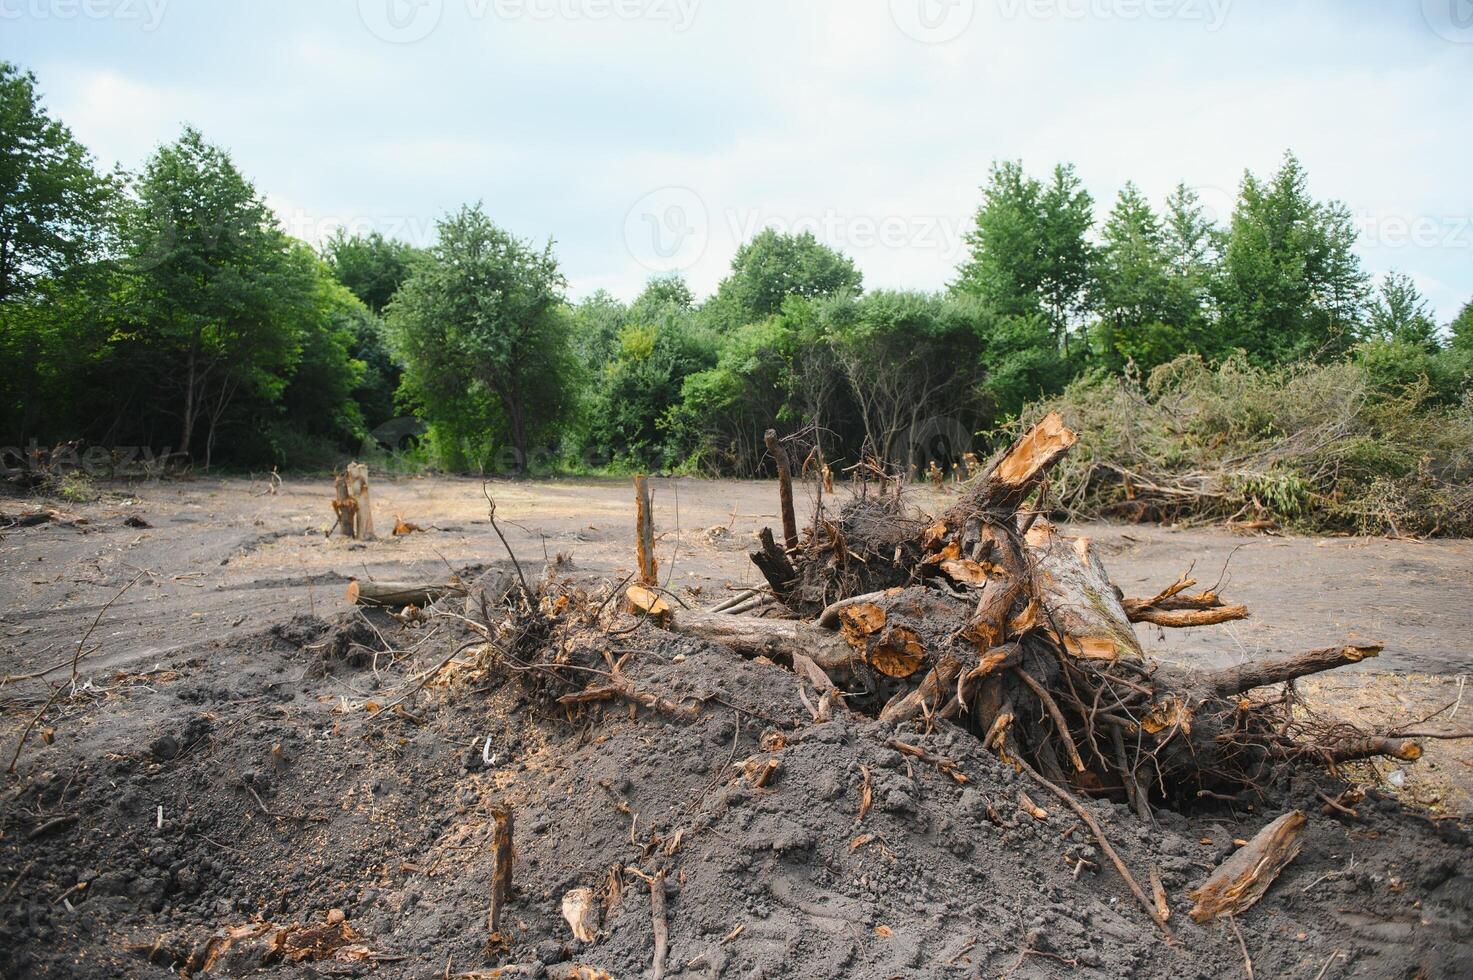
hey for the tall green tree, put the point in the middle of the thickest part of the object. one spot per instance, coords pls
(1030, 252)
(1291, 284)
(484, 337)
(53, 203)
(1192, 251)
(661, 344)
(1460, 331)
(212, 286)
(54, 225)
(1005, 270)
(597, 321)
(772, 267)
(1066, 217)
(1132, 289)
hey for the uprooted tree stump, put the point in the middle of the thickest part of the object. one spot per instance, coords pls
(997, 621)
(987, 617)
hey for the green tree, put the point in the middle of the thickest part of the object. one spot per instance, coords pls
(484, 337)
(1030, 253)
(911, 362)
(661, 345)
(54, 223)
(372, 266)
(1066, 216)
(772, 267)
(53, 203)
(1399, 313)
(212, 286)
(1005, 270)
(597, 320)
(1132, 290)
(1461, 329)
(1192, 252)
(321, 401)
(1291, 285)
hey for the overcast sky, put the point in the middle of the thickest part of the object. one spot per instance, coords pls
(650, 135)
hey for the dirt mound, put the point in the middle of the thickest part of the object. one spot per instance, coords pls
(239, 789)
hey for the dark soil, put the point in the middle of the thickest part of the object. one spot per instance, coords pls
(272, 778)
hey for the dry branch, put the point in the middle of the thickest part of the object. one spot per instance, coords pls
(1259, 673)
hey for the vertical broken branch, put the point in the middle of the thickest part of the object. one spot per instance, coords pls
(660, 922)
(501, 856)
(784, 489)
(644, 542)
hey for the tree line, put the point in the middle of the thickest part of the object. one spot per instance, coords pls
(166, 308)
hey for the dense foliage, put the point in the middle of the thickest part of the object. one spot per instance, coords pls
(165, 308)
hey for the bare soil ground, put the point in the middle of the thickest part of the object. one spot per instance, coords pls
(229, 754)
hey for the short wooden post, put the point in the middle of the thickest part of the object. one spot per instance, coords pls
(644, 540)
(784, 489)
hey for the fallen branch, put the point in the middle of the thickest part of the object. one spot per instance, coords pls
(1245, 677)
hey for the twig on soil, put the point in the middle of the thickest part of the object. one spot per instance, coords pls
(76, 657)
(1104, 843)
(659, 920)
(55, 823)
(1247, 960)
(1328, 963)
(16, 883)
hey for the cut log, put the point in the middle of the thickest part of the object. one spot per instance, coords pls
(776, 639)
(396, 595)
(1187, 618)
(1244, 877)
(784, 489)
